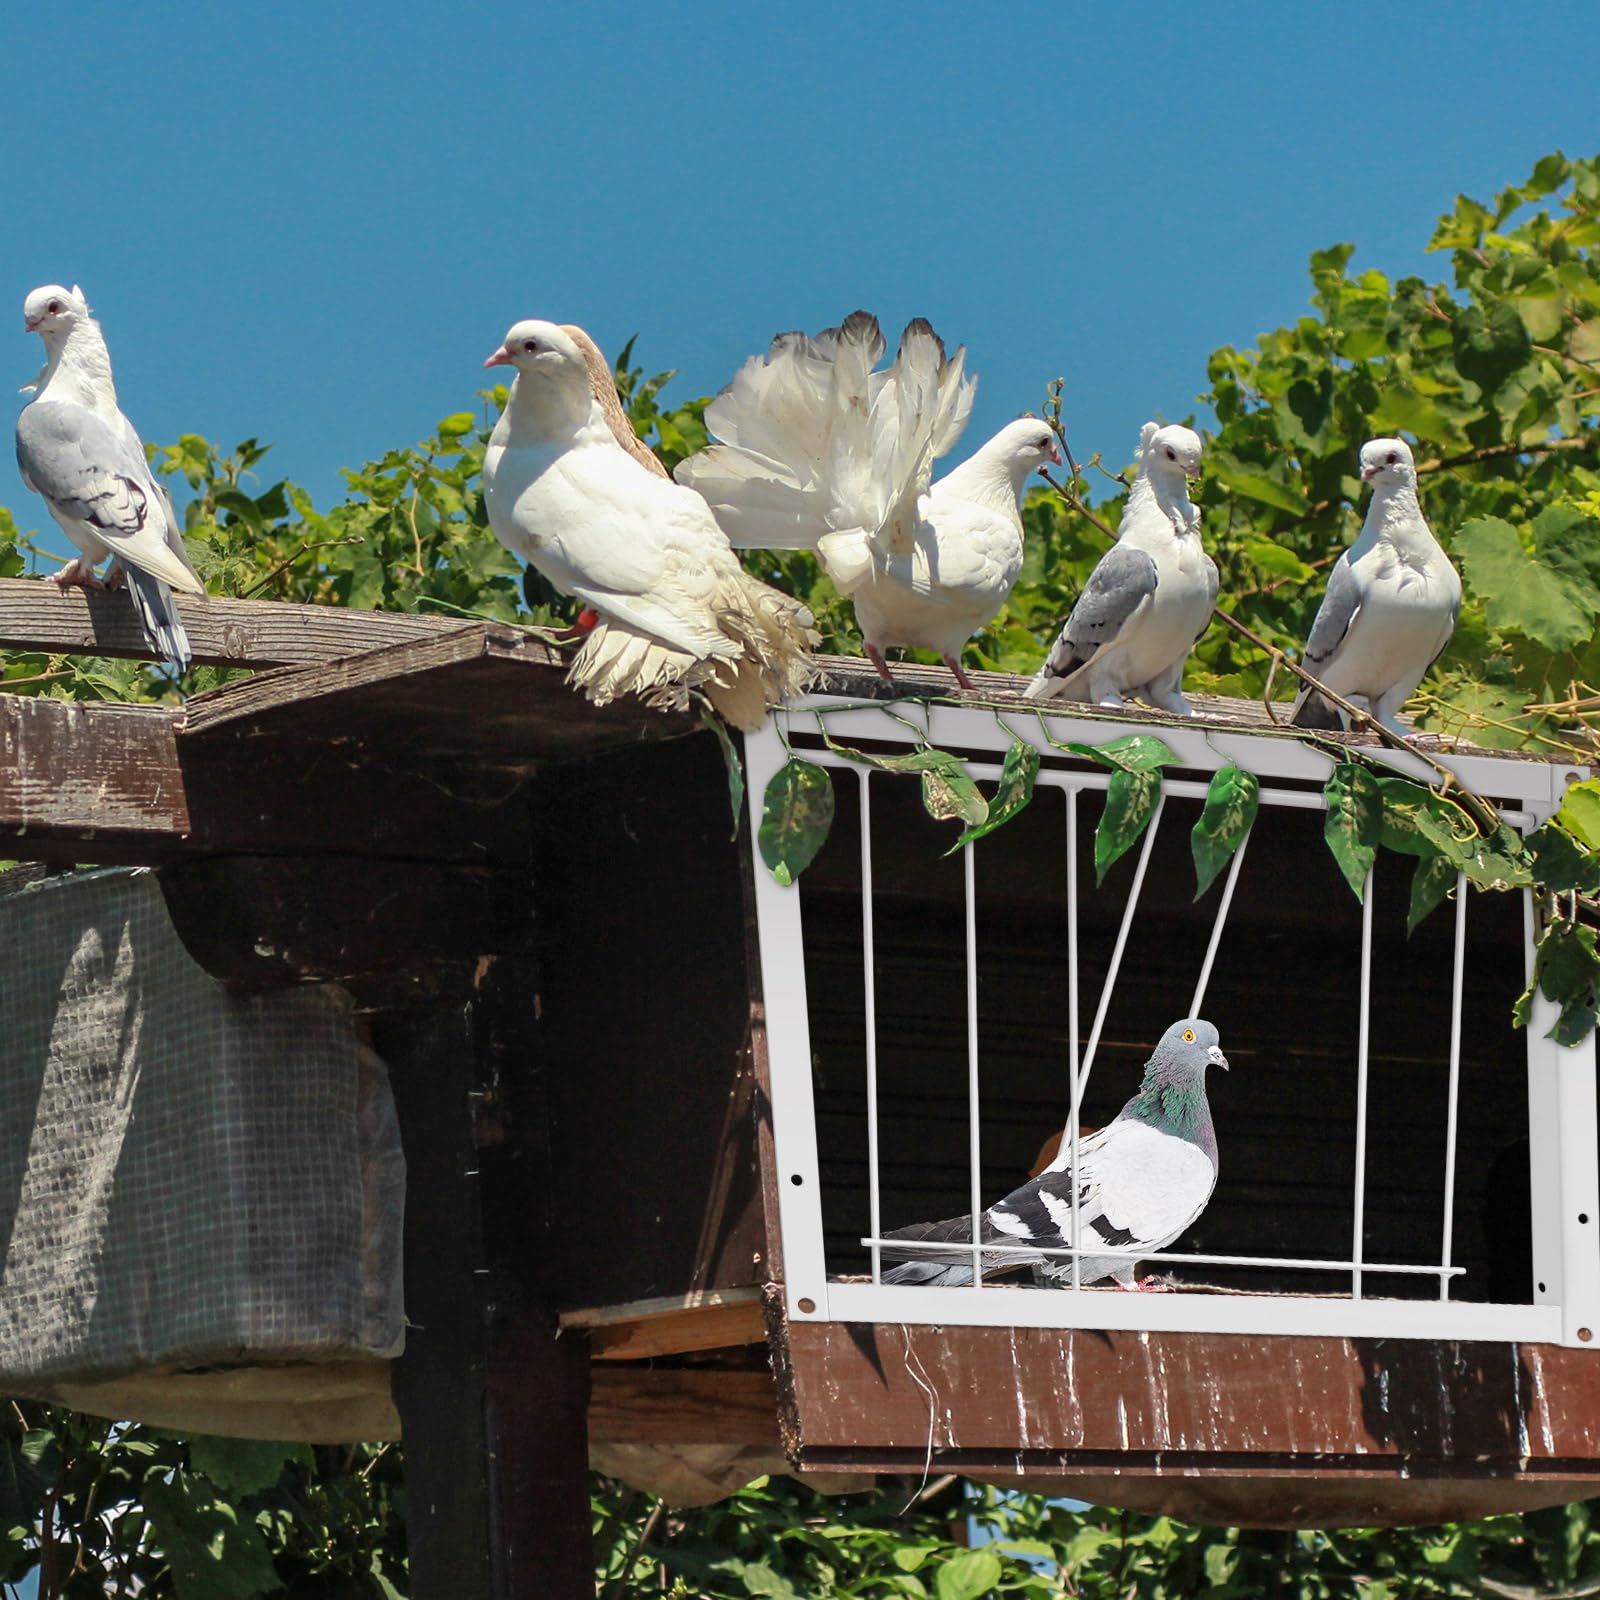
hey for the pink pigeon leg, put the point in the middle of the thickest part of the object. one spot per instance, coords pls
(961, 677)
(77, 574)
(117, 576)
(875, 656)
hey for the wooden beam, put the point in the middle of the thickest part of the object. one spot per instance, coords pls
(683, 1405)
(711, 1319)
(223, 633)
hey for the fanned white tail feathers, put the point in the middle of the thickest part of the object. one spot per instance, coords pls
(769, 633)
(814, 442)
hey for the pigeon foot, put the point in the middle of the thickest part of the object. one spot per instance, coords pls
(76, 575)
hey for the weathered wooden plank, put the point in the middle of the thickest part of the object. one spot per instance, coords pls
(671, 1324)
(223, 633)
(682, 1405)
(82, 781)
(1036, 1400)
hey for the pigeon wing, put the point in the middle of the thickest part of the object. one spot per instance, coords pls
(88, 474)
(1121, 585)
(1334, 617)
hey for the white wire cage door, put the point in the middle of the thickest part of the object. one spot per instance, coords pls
(1563, 1303)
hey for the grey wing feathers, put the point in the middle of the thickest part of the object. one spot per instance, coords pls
(69, 455)
(1120, 583)
(1338, 610)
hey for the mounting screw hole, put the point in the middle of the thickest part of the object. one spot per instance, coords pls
(1541, 1288)
(807, 1306)
(1569, 777)
(1583, 1216)
(796, 1179)
(1585, 1335)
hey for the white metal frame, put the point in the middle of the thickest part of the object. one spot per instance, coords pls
(1561, 1082)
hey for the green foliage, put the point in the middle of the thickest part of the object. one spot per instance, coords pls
(1354, 826)
(1012, 793)
(93, 1508)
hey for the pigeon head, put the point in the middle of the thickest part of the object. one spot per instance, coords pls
(53, 311)
(1172, 451)
(541, 349)
(1187, 1048)
(1025, 444)
(1388, 461)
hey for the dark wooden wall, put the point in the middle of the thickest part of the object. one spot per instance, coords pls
(1283, 995)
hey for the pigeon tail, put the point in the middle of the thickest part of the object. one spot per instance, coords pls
(1313, 711)
(774, 635)
(158, 615)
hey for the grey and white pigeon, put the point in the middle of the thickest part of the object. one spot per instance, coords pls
(78, 451)
(676, 610)
(1391, 603)
(820, 452)
(1141, 1180)
(1148, 599)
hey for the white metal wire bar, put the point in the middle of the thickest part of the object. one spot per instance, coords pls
(1216, 927)
(1122, 937)
(1455, 1081)
(1072, 1018)
(1029, 1252)
(974, 1143)
(869, 975)
(1361, 1088)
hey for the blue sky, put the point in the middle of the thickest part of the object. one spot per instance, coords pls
(311, 223)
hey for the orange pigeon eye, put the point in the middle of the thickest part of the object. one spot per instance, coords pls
(1188, 1035)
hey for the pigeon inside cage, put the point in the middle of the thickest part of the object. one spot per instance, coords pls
(1284, 995)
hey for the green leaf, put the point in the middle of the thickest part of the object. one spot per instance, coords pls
(1355, 821)
(242, 1466)
(1419, 822)
(1490, 344)
(968, 1575)
(1254, 482)
(1560, 863)
(1520, 593)
(1131, 798)
(735, 769)
(1567, 969)
(1580, 811)
(1276, 561)
(1434, 878)
(1500, 862)
(1230, 810)
(1134, 752)
(455, 425)
(796, 813)
(1012, 794)
(759, 1579)
(214, 1553)
(948, 792)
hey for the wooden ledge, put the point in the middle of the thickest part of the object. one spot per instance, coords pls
(707, 1319)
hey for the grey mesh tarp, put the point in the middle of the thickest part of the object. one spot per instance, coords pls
(200, 1196)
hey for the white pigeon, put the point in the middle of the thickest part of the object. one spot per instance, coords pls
(78, 451)
(1148, 599)
(1390, 606)
(1142, 1180)
(677, 611)
(820, 452)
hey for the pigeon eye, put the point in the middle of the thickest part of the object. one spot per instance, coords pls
(1188, 1035)
(1171, 456)
(54, 308)
(1392, 457)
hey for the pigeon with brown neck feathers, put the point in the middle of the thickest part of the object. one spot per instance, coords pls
(1141, 1181)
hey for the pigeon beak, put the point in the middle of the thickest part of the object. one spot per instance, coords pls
(1370, 474)
(1192, 474)
(501, 358)
(31, 324)
(1215, 1056)
(1055, 455)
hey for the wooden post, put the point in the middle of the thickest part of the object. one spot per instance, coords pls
(493, 1401)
